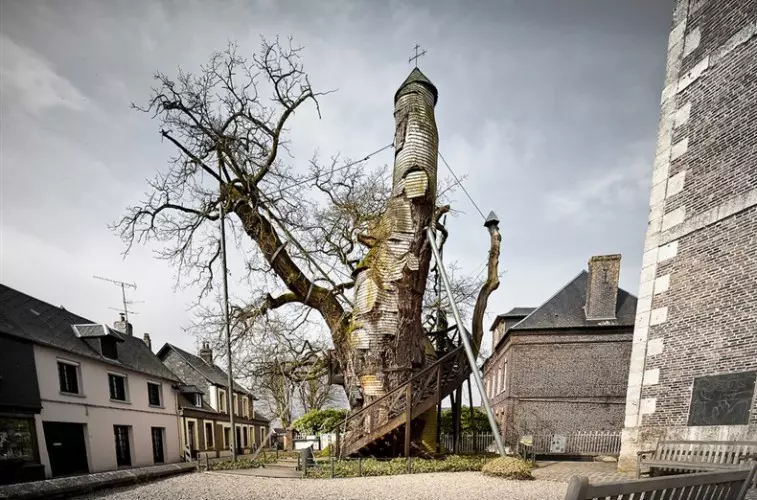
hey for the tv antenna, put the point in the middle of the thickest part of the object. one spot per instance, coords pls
(126, 303)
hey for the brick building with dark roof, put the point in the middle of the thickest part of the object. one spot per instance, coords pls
(562, 368)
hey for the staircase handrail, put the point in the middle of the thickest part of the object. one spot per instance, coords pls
(399, 388)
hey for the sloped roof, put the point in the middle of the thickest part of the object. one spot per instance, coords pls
(29, 318)
(95, 330)
(212, 373)
(416, 76)
(515, 312)
(565, 309)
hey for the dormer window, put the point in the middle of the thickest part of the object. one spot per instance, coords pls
(108, 347)
(96, 334)
(198, 400)
(221, 400)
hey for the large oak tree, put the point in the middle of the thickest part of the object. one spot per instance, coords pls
(308, 236)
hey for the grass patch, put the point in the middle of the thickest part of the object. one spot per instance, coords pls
(241, 463)
(246, 461)
(508, 468)
(396, 466)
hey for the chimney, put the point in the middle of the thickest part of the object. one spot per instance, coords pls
(146, 338)
(124, 326)
(602, 288)
(206, 353)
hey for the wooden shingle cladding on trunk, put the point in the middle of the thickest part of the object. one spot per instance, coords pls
(385, 334)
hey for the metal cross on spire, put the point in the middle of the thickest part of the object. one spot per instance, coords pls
(417, 55)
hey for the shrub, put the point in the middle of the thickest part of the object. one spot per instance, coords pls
(395, 466)
(508, 468)
(317, 421)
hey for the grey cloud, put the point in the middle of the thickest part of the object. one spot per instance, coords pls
(538, 100)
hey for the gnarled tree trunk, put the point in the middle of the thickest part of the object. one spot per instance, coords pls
(385, 342)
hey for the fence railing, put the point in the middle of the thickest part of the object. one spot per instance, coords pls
(469, 443)
(577, 443)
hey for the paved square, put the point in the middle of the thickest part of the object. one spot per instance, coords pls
(444, 486)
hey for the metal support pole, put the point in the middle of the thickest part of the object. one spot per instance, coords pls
(466, 343)
(230, 391)
(473, 428)
(331, 459)
(408, 417)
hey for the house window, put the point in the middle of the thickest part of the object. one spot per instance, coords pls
(221, 401)
(236, 405)
(68, 377)
(117, 387)
(17, 439)
(153, 394)
(208, 434)
(198, 400)
(123, 450)
(499, 381)
(504, 377)
(245, 406)
(244, 437)
(227, 437)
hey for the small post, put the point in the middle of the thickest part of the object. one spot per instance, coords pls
(360, 466)
(409, 465)
(331, 459)
(408, 416)
(277, 453)
(577, 488)
(304, 467)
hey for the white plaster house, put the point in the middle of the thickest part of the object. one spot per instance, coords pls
(106, 401)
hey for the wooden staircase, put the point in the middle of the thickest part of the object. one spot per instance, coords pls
(384, 422)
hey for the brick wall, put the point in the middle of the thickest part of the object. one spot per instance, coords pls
(561, 381)
(570, 366)
(697, 310)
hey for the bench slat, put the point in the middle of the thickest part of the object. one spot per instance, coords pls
(725, 485)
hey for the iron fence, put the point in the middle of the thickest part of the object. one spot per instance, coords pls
(589, 443)
(469, 443)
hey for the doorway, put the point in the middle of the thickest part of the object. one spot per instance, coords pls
(239, 439)
(157, 445)
(123, 450)
(66, 448)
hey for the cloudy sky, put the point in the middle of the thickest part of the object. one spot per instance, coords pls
(548, 106)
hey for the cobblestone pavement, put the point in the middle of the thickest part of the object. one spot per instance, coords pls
(562, 471)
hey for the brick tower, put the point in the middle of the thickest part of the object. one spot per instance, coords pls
(694, 356)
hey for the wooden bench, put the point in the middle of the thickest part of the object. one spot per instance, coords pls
(695, 456)
(723, 485)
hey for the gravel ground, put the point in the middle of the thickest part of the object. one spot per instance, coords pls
(452, 486)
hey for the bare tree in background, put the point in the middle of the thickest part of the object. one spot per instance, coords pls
(228, 125)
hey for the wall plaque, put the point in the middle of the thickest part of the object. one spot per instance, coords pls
(722, 399)
(557, 444)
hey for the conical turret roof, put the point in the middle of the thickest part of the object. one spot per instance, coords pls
(416, 76)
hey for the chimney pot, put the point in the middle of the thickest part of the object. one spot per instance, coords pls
(146, 338)
(124, 326)
(602, 287)
(206, 353)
